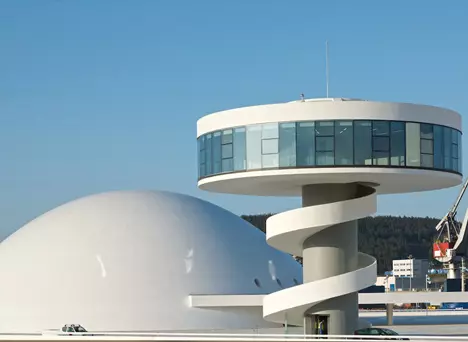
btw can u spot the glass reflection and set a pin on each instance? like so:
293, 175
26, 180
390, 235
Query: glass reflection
447, 148
324, 143
460, 154
438, 147
208, 167
397, 143
413, 144
305, 144
287, 144
380, 142
216, 148
362, 143
344, 143
380, 128
254, 147
239, 149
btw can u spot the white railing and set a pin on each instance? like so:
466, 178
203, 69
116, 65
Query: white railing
410, 310
414, 313
223, 337
274, 337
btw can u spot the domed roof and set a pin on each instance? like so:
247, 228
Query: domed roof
128, 260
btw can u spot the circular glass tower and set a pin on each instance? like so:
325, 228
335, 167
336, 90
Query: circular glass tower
338, 155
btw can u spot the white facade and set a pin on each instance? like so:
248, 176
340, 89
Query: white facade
130, 260
327, 109
287, 181
410, 268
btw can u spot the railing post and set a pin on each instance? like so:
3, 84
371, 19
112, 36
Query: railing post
462, 274
286, 323
389, 313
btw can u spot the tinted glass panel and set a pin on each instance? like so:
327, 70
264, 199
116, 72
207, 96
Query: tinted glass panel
201, 170
269, 146
270, 131
343, 143
227, 136
427, 160
455, 164
381, 144
208, 164
201, 142
227, 165
305, 144
381, 128
460, 154
325, 158
254, 147
454, 136
324, 128
427, 146
454, 151
239, 149
362, 143
201, 156
438, 147
270, 160
324, 144
226, 151
381, 158
447, 148
287, 145
413, 141
397, 141
427, 131
216, 152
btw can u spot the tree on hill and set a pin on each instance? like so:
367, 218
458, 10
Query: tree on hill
385, 237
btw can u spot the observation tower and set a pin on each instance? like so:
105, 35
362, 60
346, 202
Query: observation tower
337, 154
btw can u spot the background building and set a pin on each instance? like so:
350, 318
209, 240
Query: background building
410, 274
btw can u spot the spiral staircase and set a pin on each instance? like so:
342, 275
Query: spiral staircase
324, 232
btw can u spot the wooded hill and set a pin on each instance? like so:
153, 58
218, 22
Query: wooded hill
385, 237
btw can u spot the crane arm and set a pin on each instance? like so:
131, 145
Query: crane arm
462, 231
453, 211
459, 198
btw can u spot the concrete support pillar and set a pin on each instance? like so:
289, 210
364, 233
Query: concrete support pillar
331, 252
308, 325
389, 314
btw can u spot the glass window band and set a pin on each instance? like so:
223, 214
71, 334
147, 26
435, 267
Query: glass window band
338, 143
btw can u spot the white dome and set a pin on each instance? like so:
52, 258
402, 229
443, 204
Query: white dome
127, 261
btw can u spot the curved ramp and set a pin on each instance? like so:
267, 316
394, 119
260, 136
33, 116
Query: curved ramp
289, 230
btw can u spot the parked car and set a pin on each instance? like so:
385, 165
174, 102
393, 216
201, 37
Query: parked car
392, 335
74, 329
69, 329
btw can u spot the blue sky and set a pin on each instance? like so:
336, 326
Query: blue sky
105, 95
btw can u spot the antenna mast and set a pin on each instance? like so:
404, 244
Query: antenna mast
326, 63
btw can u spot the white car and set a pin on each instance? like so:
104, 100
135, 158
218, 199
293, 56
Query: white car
70, 330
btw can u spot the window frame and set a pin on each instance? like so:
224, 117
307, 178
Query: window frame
422, 140
375, 136
325, 136
337, 123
